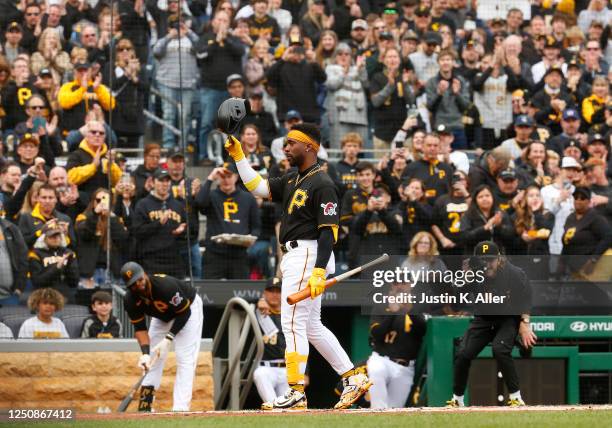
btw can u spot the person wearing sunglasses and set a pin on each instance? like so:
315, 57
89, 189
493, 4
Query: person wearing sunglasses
88, 165
129, 85
50, 144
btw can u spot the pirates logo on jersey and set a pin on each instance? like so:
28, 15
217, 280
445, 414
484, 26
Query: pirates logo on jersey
329, 208
176, 299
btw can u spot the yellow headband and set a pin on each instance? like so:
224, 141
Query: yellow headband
303, 138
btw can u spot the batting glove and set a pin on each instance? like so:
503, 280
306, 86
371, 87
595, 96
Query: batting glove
162, 348
317, 282
234, 148
144, 362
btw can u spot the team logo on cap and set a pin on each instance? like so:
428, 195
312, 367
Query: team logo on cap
128, 274
485, 248
329, 208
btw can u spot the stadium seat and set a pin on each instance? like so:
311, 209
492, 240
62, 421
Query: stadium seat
7, 311
14, 322
70, 310
74, 324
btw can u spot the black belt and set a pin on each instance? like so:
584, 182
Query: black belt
289, 246
271, 364
401, 361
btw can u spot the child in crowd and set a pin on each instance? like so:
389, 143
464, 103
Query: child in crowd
102, 324
45, 301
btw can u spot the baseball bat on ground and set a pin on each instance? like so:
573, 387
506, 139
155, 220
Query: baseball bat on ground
125, 403
305, 293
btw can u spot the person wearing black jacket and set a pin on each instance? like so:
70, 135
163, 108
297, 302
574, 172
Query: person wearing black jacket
485, 169
12, 283
159, 223
52, 263
390, 94
228, 209
44, 131
13, 189
91, 229
533, 225
16, 93
484, 221
134, 26
586, 235
143, 174
129, 86
294, 80
88, 165
434, 174
377, 229
102, 324
415, 211
32, 223
260, 118
263, 25
495, 324
551, 100
446, 218
219, 55
346, 168
184, 189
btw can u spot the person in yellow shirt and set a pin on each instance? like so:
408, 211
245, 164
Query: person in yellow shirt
592, 106
76, 98
88, 165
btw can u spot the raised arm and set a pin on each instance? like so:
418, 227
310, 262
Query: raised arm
254, 182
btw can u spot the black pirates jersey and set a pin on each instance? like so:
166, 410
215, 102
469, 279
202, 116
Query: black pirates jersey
447, 214
165, 298
274, 344
347, 175
355, 201
309, 201
397, 336
434, 175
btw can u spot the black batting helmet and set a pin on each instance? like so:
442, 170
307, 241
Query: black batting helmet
231, 112
131, 272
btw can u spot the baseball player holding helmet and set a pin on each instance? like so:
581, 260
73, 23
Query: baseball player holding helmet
176, 313
500, 330
309, 228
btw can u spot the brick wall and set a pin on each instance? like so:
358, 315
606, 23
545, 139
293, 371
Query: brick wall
87, 381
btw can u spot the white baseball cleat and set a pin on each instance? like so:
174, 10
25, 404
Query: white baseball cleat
292, 400
354, 387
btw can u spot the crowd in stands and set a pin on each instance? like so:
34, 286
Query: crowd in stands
439, 128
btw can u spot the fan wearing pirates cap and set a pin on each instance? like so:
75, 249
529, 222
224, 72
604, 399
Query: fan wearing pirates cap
271, 375
176, 317
496, 324
309, 227
228, 209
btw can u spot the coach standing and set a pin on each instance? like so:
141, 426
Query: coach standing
176, 316
501, 278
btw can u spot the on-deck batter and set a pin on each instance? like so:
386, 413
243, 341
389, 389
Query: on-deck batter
176, 313
309, 228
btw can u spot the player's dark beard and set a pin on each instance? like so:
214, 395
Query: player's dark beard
296, 160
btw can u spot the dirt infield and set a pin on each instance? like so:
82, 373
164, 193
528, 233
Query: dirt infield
414, 410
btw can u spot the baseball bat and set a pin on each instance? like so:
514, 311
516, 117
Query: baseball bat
125, 403
305, 293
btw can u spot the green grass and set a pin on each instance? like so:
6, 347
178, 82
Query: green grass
574, 419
